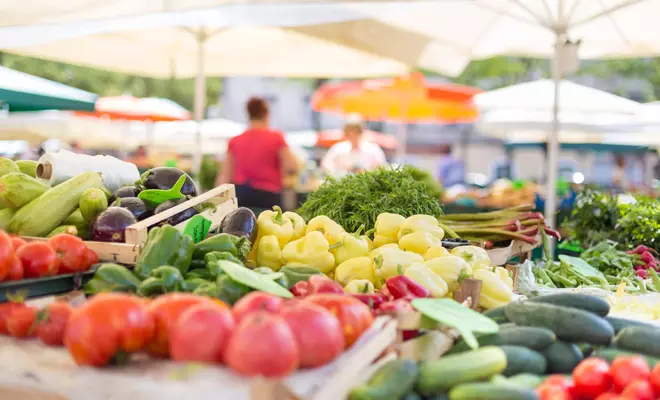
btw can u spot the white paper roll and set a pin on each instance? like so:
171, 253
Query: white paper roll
55, 168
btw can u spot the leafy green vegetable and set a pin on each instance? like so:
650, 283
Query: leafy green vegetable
357, 200
253, 279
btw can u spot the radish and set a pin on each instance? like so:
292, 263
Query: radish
641, 249
647, 258
642, 273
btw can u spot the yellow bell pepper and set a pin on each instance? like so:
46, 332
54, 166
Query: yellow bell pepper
504, 276
488, 302
271, 222
421, 222
451, 269
312, 250
355, 268
435, 252
350, 245
360, 286
269, 253
493, 290
419, 242
475, 256
421, 274
299, 225
373, 253
329, 228
387, 228
393, 262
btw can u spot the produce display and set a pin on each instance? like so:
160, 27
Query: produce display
502, 193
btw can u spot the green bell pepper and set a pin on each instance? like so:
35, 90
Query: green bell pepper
297, 274
197, 264
280, 278
214, 269
163, 279
202, 273
112, 278
220, 255
209, 289
230, 291
193, 283
165, 246
237, 246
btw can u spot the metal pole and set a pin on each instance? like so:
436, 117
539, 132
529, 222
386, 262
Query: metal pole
553, 143
200, 101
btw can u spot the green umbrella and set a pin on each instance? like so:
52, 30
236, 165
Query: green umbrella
23, 92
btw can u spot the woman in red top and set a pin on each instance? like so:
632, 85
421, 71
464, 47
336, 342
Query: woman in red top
257, 159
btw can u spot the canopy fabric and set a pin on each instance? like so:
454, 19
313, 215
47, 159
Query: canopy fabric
330, 137
409, 99
138, 109
24, 92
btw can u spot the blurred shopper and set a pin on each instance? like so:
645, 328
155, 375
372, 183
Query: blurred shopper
451, 170
257, 160
354, 155
619, 178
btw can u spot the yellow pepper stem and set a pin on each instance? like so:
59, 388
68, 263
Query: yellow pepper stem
277, 218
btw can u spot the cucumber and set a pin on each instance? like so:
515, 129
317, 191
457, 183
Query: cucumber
610, 353
639, 339
28, 167
78, 221
526, 336
5, 216
521, 359
70, 229
497, 314
392, 381
562, 357
525, 380
7, 166
16, 189
491, 391
440, 375
43, 214
92, 203
619, 323
584, 302
585, 348
569, 324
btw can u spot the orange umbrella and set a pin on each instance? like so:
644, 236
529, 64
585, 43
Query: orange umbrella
138, 109
330, 137
406, 99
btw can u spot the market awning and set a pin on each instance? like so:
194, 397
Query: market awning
131, 108
23, 92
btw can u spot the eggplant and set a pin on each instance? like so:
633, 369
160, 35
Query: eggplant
176, 218
164, 178
126, 191
240, 222
110, 225
136, 206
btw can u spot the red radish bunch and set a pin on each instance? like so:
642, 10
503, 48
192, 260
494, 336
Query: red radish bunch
646, 260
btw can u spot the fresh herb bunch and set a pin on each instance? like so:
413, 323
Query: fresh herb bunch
357, 200
639, 223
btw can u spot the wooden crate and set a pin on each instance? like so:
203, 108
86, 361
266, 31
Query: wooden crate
222, 197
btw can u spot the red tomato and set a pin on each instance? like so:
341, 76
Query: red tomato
165, 310
626, 369
559, 380
21, 323
354, 316
592, 378
6, 255
638, 389
201, 334
38, 259
654, 378
256, 301
318, 333
17, 242
91, 258
6, 309
15, 270
71, 252
262, 344
52, 321
552, 392
108, 325
608, 396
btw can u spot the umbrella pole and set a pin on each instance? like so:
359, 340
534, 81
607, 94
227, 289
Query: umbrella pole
553, 145
200, 102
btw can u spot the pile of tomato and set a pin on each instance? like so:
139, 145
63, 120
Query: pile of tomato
627, 378
61, 254
261, 335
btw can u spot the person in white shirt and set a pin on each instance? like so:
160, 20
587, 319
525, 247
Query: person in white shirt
354, 155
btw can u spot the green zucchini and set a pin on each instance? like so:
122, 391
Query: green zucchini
525, 380
610, 353
43, 214
497, 315
92, 203
521, 359
585, 348
562, 357
16, 189
392, 381
8, 166
580, 301
490, 391
70, 229
526, 336
619, 323
28, 167
639, 339
5, 216
569, 324
440, 375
